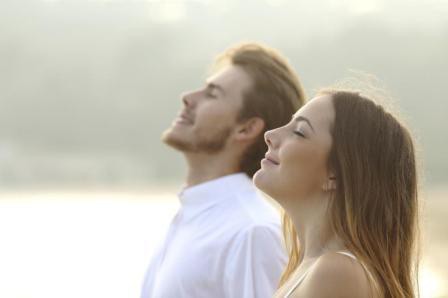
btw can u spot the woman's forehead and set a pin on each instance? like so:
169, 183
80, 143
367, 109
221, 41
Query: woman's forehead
319, 110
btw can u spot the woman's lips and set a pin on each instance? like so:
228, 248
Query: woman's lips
267, 162
270, 160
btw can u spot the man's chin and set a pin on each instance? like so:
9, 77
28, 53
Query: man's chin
170, 139
181, 142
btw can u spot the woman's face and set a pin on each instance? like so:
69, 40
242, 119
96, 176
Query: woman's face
295, 166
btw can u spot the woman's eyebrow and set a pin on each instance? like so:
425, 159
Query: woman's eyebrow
301, 118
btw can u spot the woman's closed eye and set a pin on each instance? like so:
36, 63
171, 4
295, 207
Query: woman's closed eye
299, 133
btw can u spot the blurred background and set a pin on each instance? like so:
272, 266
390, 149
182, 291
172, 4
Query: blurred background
87, 87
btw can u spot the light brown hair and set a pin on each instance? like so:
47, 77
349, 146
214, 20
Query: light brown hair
275, 95
374, 208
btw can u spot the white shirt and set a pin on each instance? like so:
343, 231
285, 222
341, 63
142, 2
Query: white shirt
225, 241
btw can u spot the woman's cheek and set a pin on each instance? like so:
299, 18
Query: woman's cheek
301, 166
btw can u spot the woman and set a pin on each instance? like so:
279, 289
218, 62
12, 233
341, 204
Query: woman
344, 171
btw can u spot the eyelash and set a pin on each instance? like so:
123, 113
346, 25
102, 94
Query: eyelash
210, 95
299, 134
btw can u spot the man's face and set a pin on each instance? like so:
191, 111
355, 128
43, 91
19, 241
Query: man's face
209, 115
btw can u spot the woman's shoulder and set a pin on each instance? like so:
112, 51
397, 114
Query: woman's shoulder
335, 274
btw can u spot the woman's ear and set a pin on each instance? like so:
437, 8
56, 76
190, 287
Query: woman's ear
329, 184
249, 129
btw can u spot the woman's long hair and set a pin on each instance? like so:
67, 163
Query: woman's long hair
374, 209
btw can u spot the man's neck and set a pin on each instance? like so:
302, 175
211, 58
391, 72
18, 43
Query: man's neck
203, 168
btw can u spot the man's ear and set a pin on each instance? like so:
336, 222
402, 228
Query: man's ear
249, 129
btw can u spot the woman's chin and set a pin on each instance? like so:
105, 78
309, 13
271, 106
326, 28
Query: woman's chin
260, 180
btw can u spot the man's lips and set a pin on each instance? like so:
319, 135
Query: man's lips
184, 118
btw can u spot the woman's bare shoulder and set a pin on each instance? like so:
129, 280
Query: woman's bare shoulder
335, 275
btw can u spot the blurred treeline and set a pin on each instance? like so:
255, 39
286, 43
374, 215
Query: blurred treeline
86, 87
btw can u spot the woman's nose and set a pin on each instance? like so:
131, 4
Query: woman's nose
268, 138
273, 137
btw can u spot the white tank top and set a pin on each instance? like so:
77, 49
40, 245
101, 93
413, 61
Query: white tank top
299, 281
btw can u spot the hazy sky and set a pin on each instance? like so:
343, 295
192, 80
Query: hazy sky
85, 82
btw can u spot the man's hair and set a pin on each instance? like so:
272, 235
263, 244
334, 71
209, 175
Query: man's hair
275, 95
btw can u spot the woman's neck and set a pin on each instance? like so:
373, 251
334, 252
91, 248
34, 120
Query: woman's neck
314, 230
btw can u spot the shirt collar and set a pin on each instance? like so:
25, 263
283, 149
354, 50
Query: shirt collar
213, 191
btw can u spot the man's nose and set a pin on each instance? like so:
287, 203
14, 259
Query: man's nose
189, 99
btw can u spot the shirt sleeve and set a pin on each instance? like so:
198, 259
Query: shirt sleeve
150, 276
256, 262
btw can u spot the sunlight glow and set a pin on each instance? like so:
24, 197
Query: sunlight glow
93, 244
79, 245
430, 283
168, 11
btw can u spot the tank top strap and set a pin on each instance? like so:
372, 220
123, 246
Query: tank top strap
347, 253
299, 281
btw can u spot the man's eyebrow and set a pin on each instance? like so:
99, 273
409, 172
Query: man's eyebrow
212, 85
301, 118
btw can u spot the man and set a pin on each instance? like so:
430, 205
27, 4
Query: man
225, 241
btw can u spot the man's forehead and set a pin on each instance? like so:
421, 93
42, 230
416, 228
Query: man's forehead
230, 75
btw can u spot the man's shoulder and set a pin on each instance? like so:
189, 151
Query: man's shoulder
256, 210
258, 242
259, 232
